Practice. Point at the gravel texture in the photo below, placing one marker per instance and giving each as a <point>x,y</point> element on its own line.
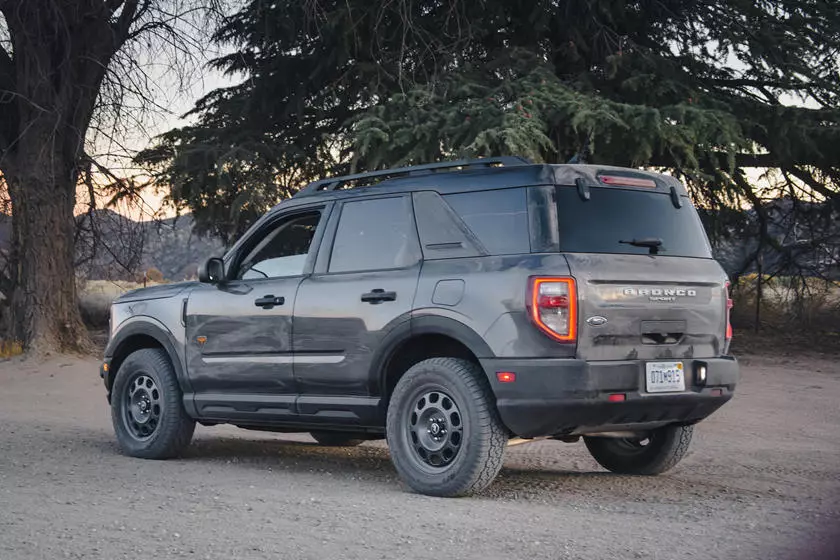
<point>762,481</point>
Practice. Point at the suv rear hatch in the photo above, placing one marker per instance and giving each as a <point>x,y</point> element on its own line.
<point>647,285</point>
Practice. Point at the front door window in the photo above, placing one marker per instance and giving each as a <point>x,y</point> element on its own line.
<point>283,251</point>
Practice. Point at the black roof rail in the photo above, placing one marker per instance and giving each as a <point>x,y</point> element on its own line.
<point>335,183</point>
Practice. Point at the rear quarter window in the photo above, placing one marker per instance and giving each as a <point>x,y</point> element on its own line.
<point>498,218</point>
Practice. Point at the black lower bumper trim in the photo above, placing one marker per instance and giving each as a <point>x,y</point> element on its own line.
<point>562,397</point>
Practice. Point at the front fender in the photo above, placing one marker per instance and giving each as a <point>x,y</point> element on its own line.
<point>142,331</point>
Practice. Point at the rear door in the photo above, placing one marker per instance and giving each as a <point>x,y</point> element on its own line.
<point>640,299</point>
<point>363,288</point>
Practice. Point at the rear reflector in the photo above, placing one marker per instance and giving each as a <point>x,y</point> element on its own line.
<point>552,306</point>
<point>717,392</point>
<point>729,306</point>
<point>505,376</point>
<point>619,181</point>
<point>617,397</point>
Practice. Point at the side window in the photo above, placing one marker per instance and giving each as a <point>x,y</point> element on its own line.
<point>375,234</point>
<point>499,219</point>
<point>283,251</point>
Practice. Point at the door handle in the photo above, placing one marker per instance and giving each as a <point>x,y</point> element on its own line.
<point>378,296</point>
<point>269,301</point>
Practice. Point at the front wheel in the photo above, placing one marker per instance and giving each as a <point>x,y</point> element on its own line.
<point>654,453</point>
<point>146,408</point>
<point>444,433</point>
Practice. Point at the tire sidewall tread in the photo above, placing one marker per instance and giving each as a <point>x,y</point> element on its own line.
<point>485,438</point>
<point>669,450</point>
<point>176,428</point>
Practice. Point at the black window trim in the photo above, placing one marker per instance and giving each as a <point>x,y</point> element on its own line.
<point>323,263</point>
<point>248,243</point>
<point>472,242</point>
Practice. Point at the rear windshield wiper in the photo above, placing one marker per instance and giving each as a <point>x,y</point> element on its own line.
<point>653,243</point>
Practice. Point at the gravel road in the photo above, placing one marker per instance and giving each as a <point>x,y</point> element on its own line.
<point>763,481</point>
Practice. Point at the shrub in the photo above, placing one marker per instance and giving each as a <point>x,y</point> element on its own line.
<point>95,297</point>
<point>10,348</point>
<point>805,303</point>
<point>154,275</point>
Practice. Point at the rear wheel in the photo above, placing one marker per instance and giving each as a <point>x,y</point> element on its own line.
<point>336,439</point>
<point>444,433</point>
<point>656,452</point>
<point>147,409</point>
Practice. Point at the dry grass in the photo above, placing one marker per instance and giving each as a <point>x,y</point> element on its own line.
<point>10,349</point>
<point>793,313</point>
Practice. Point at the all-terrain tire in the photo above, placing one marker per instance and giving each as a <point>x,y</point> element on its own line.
<point>465,466</point>
<point>664,449</point>
<point>336,439</point>
<point>173,429</point>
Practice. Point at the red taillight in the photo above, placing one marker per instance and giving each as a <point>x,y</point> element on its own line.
<point>617,397</point>
<point>729,306</point>
<point>552,306</point>
<point>554,302</point>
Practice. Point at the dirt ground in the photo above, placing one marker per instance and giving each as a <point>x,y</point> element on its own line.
<point>763,481</point>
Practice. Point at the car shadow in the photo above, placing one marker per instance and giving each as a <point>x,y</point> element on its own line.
<point>373,463</point>
<point>370,463</point>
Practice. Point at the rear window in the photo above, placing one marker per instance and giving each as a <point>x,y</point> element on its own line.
<point>612,215</point>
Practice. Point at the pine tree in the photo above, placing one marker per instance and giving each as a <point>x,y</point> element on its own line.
<point>703,88</point>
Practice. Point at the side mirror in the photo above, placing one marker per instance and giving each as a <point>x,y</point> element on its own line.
<point>212,271</point>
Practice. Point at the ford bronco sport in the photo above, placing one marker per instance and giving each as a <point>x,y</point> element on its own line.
<point>448,308</point>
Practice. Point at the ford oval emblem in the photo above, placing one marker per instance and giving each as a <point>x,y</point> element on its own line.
<point>596,321</point>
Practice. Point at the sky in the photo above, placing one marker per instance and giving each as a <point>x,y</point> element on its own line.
<point>172,95</point>
<point>178,104</point>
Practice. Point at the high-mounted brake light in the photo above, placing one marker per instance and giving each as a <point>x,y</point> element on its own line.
<point>552,306</point>
<point>729,306</point>
<point>619,181</point>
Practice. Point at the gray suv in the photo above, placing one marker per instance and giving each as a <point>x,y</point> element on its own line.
<point>448,308</point>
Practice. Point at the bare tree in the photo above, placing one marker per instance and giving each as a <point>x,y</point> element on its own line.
<point>68,67</point>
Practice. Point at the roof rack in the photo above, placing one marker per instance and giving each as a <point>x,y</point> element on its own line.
<point>335,183</point>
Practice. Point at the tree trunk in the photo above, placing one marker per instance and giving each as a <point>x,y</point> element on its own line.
<point>52,65</point>
<point>44,311</point>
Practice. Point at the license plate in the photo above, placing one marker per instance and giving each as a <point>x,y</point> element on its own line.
<point>665,377</point>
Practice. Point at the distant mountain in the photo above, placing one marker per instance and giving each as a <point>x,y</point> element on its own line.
<point>113,246</point>
<point>805,240</point>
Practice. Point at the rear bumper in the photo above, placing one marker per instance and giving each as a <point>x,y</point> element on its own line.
<point>552,397</point>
